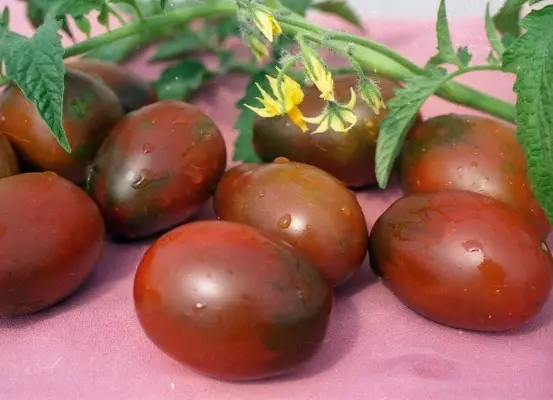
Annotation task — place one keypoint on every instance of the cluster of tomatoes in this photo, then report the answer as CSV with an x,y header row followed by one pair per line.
x,y
250,295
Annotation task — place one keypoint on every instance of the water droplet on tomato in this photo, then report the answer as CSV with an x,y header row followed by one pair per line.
x,y
261,194
200,306
147,148
346,211
285,221
281,160
138,182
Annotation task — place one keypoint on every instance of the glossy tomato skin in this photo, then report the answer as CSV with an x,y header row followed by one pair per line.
x,y
230,302
133,91
304,206
90,110
51,238
8,161
462,259
460,152
349,157
156,169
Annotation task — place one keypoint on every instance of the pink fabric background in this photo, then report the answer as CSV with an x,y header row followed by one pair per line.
x,y
91,347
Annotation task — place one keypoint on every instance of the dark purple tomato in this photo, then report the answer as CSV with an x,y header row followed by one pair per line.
x,y
133,91
349,157
51,238
8,161
158,167
302,205
90,110
230,302
478,154
462,259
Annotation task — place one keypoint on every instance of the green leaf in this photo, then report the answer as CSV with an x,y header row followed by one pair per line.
x,y
340,8
402,110
36,66
5,18
36,12
507,18
227,27
298,6
464,56
446,53
75,8
532,2
163,4
493,36
507,40
103,17
243,146
177,82
189,41
531,57
226,57
9,40
83,25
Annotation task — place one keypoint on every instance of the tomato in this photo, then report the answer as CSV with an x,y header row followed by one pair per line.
x,y
90,110
230,302
478,154
158,167
302,205
349,157
51,238
8,161
133,92
462,259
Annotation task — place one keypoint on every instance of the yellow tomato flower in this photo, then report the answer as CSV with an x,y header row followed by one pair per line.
x,y
267,24
338,117
319,75
257,47
370,93
275,105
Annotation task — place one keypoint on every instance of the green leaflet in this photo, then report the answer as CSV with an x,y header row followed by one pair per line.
x,y
402,110
177,82
36,66
507,18
531,58
493,36
446,53
179,46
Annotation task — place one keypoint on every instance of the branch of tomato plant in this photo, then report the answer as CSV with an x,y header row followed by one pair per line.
x,y
376,57
370,55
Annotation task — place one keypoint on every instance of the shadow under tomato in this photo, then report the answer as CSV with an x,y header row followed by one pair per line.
x,y
119,262
544,318
361,280
207,212
343,334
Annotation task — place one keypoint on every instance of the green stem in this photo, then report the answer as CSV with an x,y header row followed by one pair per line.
x,y
347,38
370,55
372,60
152,24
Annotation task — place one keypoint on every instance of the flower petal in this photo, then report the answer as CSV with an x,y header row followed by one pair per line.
x,y
263,23
352,100
323,127
262,112
296,117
